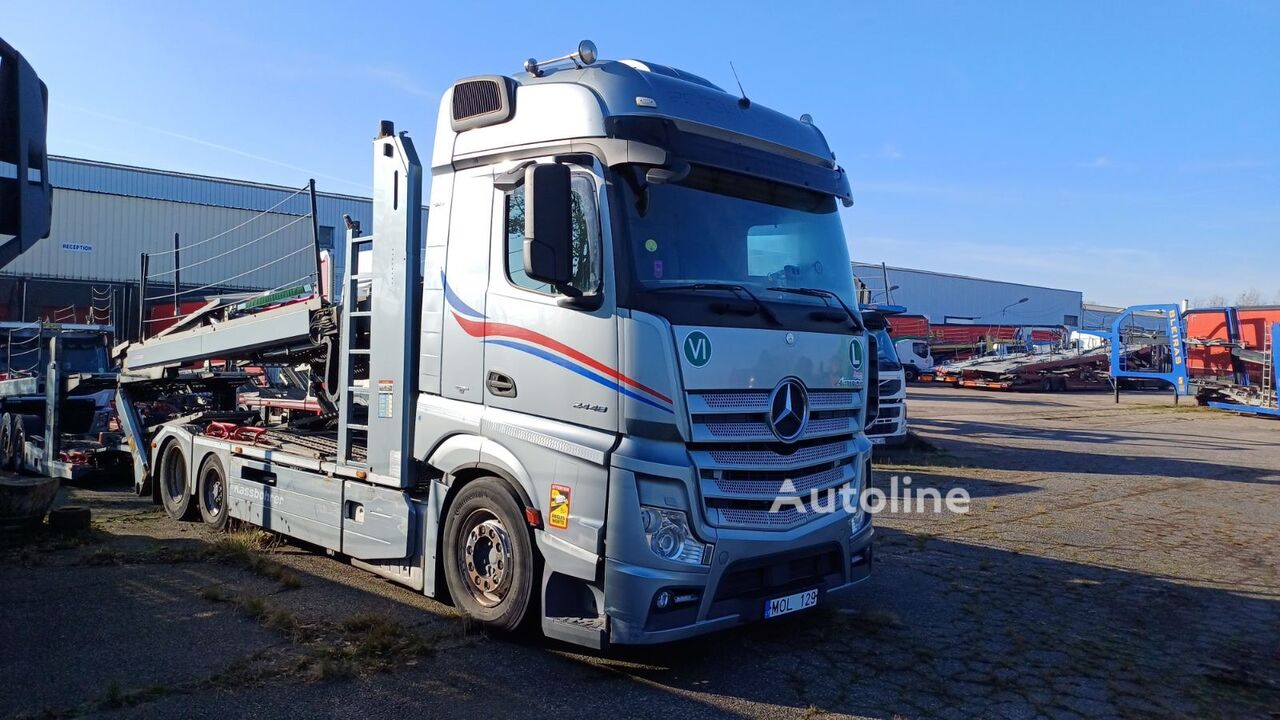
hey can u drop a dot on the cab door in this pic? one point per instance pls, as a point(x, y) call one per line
point(545, 356)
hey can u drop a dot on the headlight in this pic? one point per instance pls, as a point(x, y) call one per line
point(670, 538)
point(859, 485)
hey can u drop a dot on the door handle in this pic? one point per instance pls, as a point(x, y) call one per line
point(500, 384)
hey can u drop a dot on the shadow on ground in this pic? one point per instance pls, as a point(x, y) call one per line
point(944, 629)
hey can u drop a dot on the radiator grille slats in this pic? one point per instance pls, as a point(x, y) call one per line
point(476, 97)
point(742, 466)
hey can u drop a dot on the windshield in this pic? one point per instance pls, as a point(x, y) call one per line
point(721, 227)
point(885, 351)
point(25, 356)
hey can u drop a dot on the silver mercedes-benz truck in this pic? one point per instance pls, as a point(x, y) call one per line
point(597, 397)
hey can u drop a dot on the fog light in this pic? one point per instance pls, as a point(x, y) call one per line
point(670, 538)
point(663, 601)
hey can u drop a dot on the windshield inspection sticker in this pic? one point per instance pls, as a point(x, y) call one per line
point(558, 515)
point(651, 245)
point(697, 348)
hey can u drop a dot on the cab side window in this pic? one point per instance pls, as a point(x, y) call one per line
point(586, 239)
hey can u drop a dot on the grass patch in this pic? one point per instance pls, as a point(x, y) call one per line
point(103, 557)
point(243, 548)
point(364, 644)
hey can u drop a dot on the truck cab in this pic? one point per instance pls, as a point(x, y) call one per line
point(696, 353)
point(890, 424)
point(602, 395)
point(915, 356)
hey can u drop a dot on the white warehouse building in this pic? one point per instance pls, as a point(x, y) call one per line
point(960, 299)
point(233, 236)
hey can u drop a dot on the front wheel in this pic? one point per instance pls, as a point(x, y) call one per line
point(912, 374)
point(488, 555)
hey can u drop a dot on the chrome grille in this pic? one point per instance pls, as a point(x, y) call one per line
point(774, 457)
point(770, 484)
point(742, 466)
point(757, 514)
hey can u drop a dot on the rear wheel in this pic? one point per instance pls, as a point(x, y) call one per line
point(488, 555)
point(8, 453)
point(19, 444)
point(211, 489)
point(912, 374)
point(175, 491)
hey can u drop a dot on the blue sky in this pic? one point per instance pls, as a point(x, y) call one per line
point(1129, 150)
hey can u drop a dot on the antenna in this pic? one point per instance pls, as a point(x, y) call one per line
point(743, 102)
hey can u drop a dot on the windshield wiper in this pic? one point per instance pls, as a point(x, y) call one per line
point(820, 293)
point(731, 287)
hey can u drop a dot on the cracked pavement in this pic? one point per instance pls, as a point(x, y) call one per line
point(1118, 561)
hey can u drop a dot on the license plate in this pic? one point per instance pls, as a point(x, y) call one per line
point(791, 603)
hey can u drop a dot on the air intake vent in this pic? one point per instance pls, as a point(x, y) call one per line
point(482, 101)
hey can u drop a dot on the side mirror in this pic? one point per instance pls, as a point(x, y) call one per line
point(548, 225)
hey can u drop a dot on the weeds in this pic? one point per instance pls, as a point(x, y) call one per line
point(243, 549)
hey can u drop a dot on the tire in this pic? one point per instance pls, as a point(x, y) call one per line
point(912, 374)
point(499, 592)
point(19, 435)
point(8, 452)
point(70, 519)
point(211, 492)
point(175, 489)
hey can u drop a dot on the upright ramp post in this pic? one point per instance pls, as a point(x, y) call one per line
point(381, 286)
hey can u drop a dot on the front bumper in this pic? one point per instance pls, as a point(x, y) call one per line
point(890, 429)
point(743, 576)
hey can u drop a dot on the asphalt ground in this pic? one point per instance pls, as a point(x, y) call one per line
point(1116, 561)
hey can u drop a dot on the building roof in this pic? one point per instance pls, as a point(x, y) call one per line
point(115, 179)
point(877, 266)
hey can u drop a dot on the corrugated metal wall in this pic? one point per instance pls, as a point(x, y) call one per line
point(178, 199)
point(99, 237)
point(942, 297)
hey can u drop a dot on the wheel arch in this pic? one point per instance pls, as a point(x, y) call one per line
point(464, 457)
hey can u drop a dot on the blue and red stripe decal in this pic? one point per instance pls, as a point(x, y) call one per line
point(475, 324)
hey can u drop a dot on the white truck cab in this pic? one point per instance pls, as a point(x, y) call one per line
point(890, 424)
point(628, 336)
point(915, 356)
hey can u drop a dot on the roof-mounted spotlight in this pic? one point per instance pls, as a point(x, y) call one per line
point(585, 55)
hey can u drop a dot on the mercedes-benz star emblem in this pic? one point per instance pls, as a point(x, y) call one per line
point(789, 409)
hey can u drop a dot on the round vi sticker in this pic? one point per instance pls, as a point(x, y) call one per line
point(697, 348)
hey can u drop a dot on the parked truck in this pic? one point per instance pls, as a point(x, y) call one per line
point(890, 424)
point(916, 357)
point(1224, 357)
point(57, 398)
point(625, 337)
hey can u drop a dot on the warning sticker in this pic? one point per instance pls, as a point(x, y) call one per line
point(558, 516)
point(386, 398)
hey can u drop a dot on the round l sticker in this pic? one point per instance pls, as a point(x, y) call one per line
point(855, 354)
point(697, 348)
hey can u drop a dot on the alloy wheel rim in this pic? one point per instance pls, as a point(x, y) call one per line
point(485, 558)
